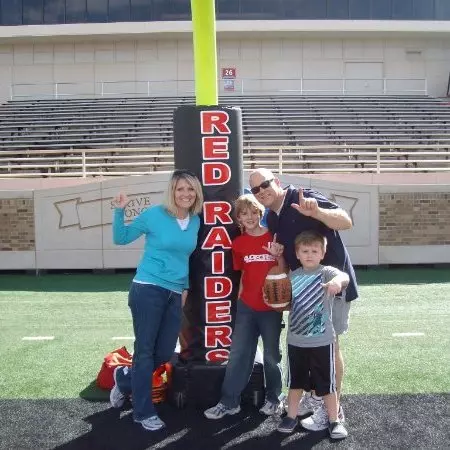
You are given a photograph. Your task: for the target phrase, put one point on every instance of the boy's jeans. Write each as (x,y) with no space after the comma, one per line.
(156,314)
(249,326)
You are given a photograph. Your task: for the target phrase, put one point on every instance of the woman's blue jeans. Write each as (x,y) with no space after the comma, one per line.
(251,324)
(156,314)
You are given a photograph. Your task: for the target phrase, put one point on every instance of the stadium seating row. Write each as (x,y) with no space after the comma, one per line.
(286,121)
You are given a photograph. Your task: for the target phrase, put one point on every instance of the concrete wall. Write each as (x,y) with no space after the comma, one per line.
(317,60)
(69,227)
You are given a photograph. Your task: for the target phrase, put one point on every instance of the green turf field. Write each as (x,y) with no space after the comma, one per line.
(84,312)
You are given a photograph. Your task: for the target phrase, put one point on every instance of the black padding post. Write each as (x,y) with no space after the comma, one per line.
(208,142)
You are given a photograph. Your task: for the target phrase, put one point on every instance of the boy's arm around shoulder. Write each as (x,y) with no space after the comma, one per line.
(342,278)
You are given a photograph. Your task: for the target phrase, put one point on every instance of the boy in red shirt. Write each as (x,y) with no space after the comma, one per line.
(255,252)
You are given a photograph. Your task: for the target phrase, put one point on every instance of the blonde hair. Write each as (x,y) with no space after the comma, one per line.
(310,237)
(194,182)
(247,201)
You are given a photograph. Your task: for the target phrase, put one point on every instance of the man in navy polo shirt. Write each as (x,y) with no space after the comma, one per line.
(295,210)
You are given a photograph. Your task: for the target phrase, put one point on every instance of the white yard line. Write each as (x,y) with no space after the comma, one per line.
(38,338)
(125,338)
(407,334)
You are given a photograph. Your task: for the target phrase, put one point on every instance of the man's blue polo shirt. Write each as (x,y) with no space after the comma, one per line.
(289,223)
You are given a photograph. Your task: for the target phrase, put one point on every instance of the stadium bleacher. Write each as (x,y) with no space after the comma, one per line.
(278,120)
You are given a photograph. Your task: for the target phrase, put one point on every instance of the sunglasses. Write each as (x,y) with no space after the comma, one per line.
(263,185)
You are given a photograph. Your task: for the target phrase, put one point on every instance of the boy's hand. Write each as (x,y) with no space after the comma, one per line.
(274,248)
(333,287)
(306,206)
(265,300)
(120,201)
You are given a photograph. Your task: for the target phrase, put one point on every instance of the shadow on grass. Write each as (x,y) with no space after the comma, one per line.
(92,393)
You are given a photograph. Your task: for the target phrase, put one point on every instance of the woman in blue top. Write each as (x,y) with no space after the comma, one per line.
(159,288)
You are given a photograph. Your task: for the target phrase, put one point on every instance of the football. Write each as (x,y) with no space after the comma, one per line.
(278,289)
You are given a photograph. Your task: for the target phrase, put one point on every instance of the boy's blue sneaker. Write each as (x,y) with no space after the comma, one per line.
(287,425)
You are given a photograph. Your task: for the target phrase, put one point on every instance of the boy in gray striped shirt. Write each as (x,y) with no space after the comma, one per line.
(311,335)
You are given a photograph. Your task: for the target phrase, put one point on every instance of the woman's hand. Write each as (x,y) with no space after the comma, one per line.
(120,201)
(184,295)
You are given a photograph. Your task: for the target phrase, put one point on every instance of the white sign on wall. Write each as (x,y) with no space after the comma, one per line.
(73,224)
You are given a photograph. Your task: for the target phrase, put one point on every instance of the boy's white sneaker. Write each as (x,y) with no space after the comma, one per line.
(318,421)
(337,430)
(308,404)
(269,408)
(341,415)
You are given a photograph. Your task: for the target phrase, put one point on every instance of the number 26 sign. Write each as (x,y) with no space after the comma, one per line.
(228,72)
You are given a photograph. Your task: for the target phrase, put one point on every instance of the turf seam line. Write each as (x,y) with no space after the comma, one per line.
(407,334)
(38,338)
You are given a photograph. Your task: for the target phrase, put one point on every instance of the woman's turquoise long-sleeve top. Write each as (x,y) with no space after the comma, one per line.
(165,261)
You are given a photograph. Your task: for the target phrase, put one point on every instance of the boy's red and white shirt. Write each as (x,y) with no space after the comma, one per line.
(250,257)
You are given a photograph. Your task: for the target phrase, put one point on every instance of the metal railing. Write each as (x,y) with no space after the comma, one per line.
(281,159)
(239,86)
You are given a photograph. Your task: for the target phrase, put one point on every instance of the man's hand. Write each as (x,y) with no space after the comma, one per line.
(335,218)
(120,201)
(274,248)
(333,287)
(306,206)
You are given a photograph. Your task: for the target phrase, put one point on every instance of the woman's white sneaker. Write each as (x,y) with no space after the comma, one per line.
(116,397)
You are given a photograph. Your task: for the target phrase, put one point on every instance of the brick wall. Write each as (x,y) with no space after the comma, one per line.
(414,219)
(16,224)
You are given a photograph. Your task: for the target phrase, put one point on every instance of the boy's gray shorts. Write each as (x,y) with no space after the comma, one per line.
(341,315)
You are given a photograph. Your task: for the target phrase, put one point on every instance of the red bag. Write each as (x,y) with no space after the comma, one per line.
(119,357)
(161,379)
(122,357)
